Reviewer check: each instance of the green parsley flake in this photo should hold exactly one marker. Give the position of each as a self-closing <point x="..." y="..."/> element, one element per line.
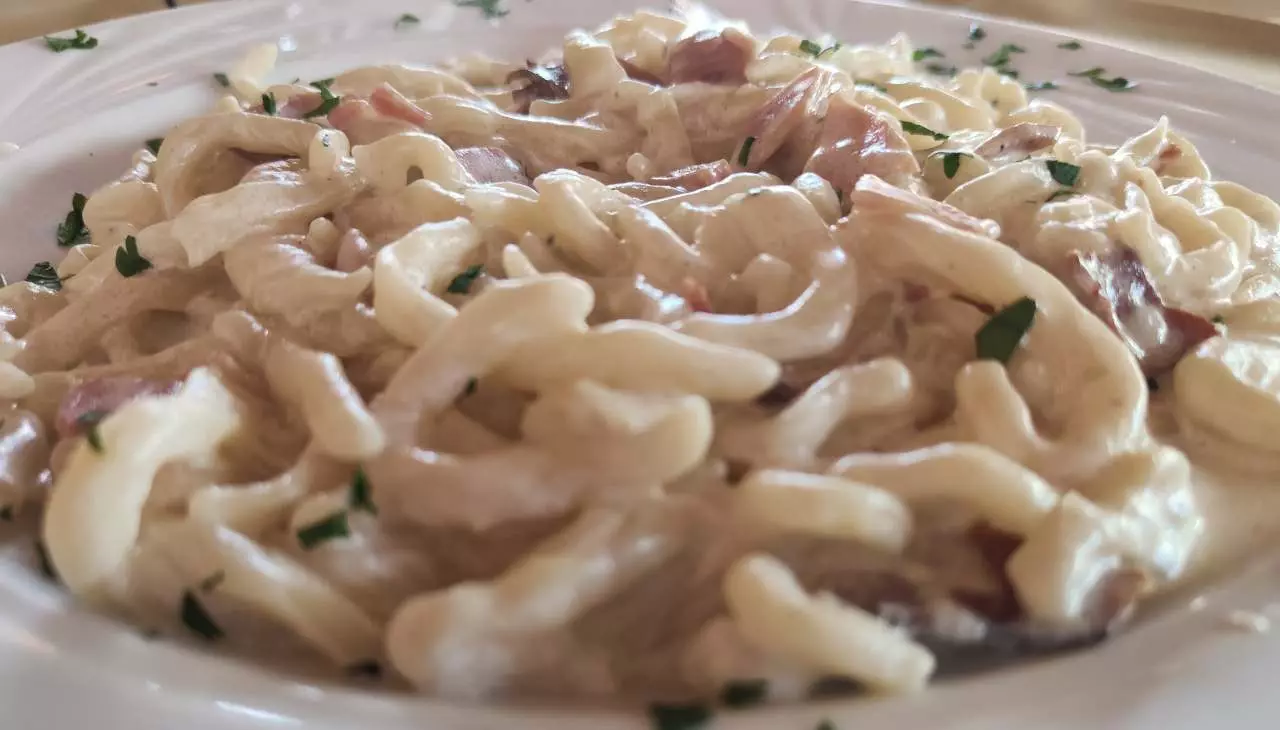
<point x="951" y="163"/>
<point x="1152" y="384"/>
<point x="43" y="274"/>
<point x="1070" y="46"/>
<point x="744" y="154"/>
<point x="269" y="104"/>
<point x="826" y="725"/>
<point x="976" y="33"/>
<point x="72" y="230"/>
<point x="921" y="54"/>
<point x="1040" y="86"/>
<point x="406" y="20"/>
<point x="744" y="693"/>
<point x="6" y="513"/>
<point x="461" y="283"/>
<point x="360" y="497"/>
<point x="1095" y="76"/>
<point x="491" y="9"/>
<point x="1001" y="56"/>
<point x="679" y="717"/>
<point x="328" y="100"/>
<point x="922" y="131"/>
<point x="1218" y="319"/>
<point x="941" y="69"/>
<point x="1001" y="335"/>
<point x="155" y="144"/>
<point x="197" y="619"/>
<point x="87" y="423"/>
<point x="222" y="80"/>
<point x="330" y="528"/>
<point x="471" y="386"/>
<point x="128" y="261"/>
<point x="1063" y="173"/>
<point x="811" y="48"/>
<point x="80" y="41"/>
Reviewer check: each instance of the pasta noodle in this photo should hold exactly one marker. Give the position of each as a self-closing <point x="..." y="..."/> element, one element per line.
<point x="679" y="360"/>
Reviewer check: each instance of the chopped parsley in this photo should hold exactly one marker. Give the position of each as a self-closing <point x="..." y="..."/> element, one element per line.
<point x="744" y="693"/>
<point x="491" y="9"/>
<point x="6" y="513"/>
<point x="1059" y="194"/>
<point x="951" y="163"/>
<point x="128" y="261"/>
<point x="679" y="717"/>
<point x="330" y="528"/>
<point x="1012" y="73"/>
<point x="811" y="48"/>
<point x="406" y="20"/>
<point x="461" y="283"/>
<point x="922" y="131"/>
<point x="80" y="41"/>
<point x="1063" y="173"/>
<point x="155" y="144"/>
<point x="44" y="275"/>
<point x="1040" y="86"/>
<point x="197" y="619"/>
<point x="370" y="669"/>
<point x="744" y="154"/>
<point x="1095" y="76"/>
<point x="826" y="725"/>
<point x="1001" y="335"/>
<point x="360" y="497"/>
<point x="71" y="230"/>
<point x="471" y="386"/>
<point x="921" y="54"/>
<point x="1152" y="384"/>
<point x="88" y="422"/>
<point x="1218" y="319"/>
<point x="976" y="33"/>
<point x="1002" y="54"/>
<point x="222" y="80"/>
<point x="328" y="100"/>
<point x="1072" y="45"/>
<point x="269" y="104"/>
<point x="941" y="69"/>
<point x="44" y="563"/>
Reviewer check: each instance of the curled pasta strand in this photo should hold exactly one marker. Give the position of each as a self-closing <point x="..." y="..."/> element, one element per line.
<point x="824" y="506"/>
<point x="820" y="633"/>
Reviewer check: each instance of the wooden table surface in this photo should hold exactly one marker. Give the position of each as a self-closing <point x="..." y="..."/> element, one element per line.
<point x="1236" y="40"/>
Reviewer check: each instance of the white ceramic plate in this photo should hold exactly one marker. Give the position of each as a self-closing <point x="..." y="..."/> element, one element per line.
<point x="78" y="116"/>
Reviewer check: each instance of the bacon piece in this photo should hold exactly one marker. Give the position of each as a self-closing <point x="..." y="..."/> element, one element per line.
<point x="711" y="57"/>
<point x="363" y="124"/>
<point x="635" y="73"/>
<point x="695" y="293"/>
<point x="782" y="117"/>
<point x="1018" y="141"/>
<point x="491" y="165"/>
<point x="857" y="141"/>
<point x="391" y="103"/>
<point x="1117" y="287"/>
<point x="102" y="396"/>
<point x="354" y="251"/>
<point x="872" y="196"/>
<point x="1169" y="155"/>
<point x="540" y="82"/>
<point x="695" y="177"/>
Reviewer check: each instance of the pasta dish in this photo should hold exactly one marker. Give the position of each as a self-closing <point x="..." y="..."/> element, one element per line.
<point x="679" y="364"/>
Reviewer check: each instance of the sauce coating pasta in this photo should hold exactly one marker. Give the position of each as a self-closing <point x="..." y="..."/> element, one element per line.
<point x="680" y="359"/>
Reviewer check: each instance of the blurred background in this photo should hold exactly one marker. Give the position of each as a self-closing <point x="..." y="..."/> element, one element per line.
<point x="1237" y="38"/>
